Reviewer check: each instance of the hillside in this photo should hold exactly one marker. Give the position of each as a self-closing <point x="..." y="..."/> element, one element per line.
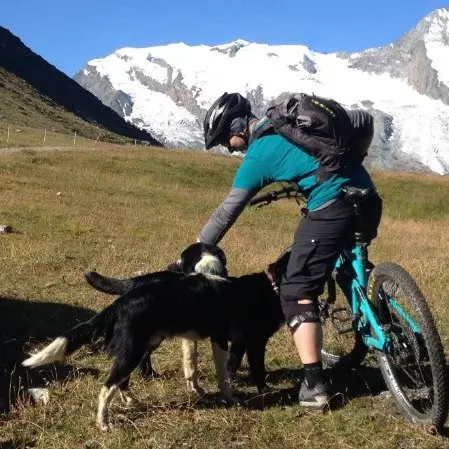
<point x="22" y="105"/>
<point x="34" y="93"/>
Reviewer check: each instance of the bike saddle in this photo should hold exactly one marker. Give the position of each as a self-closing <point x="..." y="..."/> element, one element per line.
<point x="355" y="194"/>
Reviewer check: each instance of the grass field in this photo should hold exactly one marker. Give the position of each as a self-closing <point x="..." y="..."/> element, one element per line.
<point x="128" y="210"/>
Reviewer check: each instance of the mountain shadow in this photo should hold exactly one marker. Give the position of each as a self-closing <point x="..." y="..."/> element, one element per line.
<point x="18" y="59"/>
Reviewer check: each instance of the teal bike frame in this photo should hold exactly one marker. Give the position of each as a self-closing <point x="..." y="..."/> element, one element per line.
<point x="365" y="318"/>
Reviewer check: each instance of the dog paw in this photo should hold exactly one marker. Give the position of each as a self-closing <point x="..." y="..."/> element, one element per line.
<point x="199" y="391"/>
<point x="105" y="426"/>
<point x="229" y="399"/>
<point x="128" y="400"/>
<point x="193" y="387"/>
<point x="266" y="389"/>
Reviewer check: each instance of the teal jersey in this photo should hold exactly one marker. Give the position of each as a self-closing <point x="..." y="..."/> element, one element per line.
<point x="272" y="158"/>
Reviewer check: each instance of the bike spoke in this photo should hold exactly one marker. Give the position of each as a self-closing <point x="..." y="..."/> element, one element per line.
<point x="413" y="364"/>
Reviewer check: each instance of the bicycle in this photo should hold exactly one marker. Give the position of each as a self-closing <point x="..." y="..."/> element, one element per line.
<point x="381" y="308"/>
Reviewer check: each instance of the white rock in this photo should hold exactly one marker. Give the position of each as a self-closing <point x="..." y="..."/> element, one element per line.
<point x="38" y="395"/>
<point x="5" y="229"/>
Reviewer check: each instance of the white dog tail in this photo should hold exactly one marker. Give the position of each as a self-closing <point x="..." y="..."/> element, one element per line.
<point x="54" y="352"/>
<point x="73" y="339"/>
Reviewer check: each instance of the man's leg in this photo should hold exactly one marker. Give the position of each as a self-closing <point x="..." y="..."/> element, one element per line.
<point x="308" y="340"/>
<point x="319" y="239"/>
<point x="305" y="326"/>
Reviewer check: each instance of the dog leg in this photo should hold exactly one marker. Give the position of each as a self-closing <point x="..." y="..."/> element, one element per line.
<point x="236" y="353"/>
<point x="146" y="368"/>
<point x="256" y="361"/>
<point x="125" y="395"/>
<point x="104" y="400"/>
<point x="220" y="360"/>
<point x="126" y="360"/>
<point x="190" y="361"/>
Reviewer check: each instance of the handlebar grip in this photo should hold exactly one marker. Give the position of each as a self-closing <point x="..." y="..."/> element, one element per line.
<point x="260" y="199"/>
<point x="272" y="196"/>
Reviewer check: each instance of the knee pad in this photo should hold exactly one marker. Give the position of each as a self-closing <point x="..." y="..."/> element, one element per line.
<point x="296" y="314"/>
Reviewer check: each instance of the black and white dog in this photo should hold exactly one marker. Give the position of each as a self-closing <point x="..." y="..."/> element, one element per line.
<point x="192" y="306"/>
<point x="255" y="310"/>
<point x="245" y="310"/>
<point x="197" y="258"/>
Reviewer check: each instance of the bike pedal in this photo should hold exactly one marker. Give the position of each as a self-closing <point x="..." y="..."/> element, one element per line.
<point x="340" y="317"/>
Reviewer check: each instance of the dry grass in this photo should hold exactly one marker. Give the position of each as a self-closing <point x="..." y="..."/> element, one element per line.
<point x="122" y="211"/>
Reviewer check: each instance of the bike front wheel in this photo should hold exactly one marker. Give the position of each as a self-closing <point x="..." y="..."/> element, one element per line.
<point x="413" y="365"/>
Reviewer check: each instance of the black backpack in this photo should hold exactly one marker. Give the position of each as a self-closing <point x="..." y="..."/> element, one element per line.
<point x="318" y="125"/>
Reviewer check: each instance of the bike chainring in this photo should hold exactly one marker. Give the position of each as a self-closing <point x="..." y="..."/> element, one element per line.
<point x="342" y="319"/>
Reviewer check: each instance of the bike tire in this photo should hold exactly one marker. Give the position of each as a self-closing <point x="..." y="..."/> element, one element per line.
<point x="414" y="368"/>
<point x="340" y="351"/>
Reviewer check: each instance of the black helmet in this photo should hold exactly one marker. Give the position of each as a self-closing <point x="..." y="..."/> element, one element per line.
<point x="363" y="130"/>
<point x="218" y="119"/>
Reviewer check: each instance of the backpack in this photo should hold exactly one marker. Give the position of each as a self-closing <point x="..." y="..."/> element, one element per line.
<point x="320" y="126"/>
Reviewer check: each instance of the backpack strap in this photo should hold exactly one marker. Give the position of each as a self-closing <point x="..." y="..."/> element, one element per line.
<point x="263" y="128"/>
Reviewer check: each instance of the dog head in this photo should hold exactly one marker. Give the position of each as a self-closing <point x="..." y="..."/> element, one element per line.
<point x="277" y="269"/>
<point x="201" y="258"/>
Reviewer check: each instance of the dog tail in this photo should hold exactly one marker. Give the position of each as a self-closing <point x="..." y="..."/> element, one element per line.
<point x="114" y="286"/>
<point x="111" y="286"/>
<point x="83" y="333"/>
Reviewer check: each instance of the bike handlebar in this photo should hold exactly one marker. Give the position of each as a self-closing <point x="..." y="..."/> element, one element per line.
<point x="267" y="198"/>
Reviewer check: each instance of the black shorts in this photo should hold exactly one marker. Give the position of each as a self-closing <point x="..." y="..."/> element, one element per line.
<point x="319" y="239"/>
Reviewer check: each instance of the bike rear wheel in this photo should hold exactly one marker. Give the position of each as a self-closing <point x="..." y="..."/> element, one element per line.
<point x="343" y="347"/>
<point x="414" y="365"/>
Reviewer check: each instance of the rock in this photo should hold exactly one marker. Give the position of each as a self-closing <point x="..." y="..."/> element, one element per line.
<point x="5" y="229"/>
<point x="38" y="395"/>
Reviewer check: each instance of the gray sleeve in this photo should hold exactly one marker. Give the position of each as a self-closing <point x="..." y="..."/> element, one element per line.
<point x="225" y="215"/>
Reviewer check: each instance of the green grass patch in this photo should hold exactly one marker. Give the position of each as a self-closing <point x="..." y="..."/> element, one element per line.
<point x="126" y="210"/>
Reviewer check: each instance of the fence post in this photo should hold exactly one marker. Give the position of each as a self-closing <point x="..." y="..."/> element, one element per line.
<point x="7" y="139"/>
<point x="45" y="137"/>
<point x="74" y="139"/>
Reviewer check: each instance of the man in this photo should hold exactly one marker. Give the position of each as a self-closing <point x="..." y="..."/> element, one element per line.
<point x="327" y="226"/>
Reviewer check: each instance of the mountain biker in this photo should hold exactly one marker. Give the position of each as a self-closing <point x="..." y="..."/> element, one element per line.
<point x="325" y="229"/>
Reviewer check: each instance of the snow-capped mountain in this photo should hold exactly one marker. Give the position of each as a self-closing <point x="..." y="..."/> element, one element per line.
<point x="167" y="89"/>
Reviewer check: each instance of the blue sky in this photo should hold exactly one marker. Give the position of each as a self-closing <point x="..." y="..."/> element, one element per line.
<point x="69" y="34"/>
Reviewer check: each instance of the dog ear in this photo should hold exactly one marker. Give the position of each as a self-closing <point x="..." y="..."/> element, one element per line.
<point x="174" y="266"/>
<point x="189" y="257"/>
